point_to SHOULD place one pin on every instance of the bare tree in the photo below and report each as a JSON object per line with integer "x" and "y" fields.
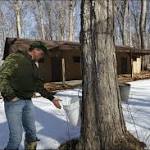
{"x": 135, "y": 15}
{"x": 142, "y": 28}
{"x": 71, "y": 20}
{"x": 17, "y": 7}
{"x": 48, "y": 28}
{"x": 103, "y": 126}
{"x": 7, "y": 23}
{"x": 2, "y": 32}
{"x": 123, "y": 19}
{"x": 143, "y": 23}
{"x": 70, "y": 36}
{"x": 41, "y": 17}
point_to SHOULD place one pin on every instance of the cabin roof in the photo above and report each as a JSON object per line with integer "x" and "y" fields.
{"x": 14, "y": 44}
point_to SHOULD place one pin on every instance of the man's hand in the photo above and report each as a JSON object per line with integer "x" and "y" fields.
{"x": 55, "y": 101}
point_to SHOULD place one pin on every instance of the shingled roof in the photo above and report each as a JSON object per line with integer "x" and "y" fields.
{"x": 127, "y": 49}
{"x": 15, "y": 44}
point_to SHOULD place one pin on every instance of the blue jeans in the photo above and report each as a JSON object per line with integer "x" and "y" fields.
{"x": 20, "y": 114}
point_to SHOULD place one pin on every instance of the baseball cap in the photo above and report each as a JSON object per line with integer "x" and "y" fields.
{"x": 40, "y": 45}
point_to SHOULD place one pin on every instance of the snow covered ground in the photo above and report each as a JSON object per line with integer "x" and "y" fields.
{"x": 54, "y": 128}
{"x": 137, "y": 111}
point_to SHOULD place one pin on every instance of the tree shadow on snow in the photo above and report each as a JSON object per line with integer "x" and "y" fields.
{"x": 139, "y": 102}
{"x": 4, "y": 135}
{"x": 52, "y": 126}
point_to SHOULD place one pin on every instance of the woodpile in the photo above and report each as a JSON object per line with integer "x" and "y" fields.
{"x": 51, "y": 87}
{"x": 54, "y": 87}
{"x": 127, "y": 77}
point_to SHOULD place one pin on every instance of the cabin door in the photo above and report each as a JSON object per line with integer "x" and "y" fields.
{"x": 124, "y": 66}
{"x": 56, "y": 69}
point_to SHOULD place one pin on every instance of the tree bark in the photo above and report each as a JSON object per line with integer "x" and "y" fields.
{"x": 70, "y": 20}
{"x": 143, "y": 22}
{"x": 41, "y": 15}
{"x": 123, "y": 21}
{"x": 50, "y": 32}
{"x": 103, "y": 126}
{"x": 17, "y": 5}
{"x": 142, "y": 25}
{"x": 126, "y": 24}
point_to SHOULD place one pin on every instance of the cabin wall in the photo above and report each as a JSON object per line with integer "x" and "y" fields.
{"x": 73, "y": 65}
{"x": 51, "y": 68}
{"x": 45, "y": 70}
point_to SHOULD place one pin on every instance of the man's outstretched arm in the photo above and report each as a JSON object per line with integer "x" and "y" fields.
{"x": 46, "y": 94}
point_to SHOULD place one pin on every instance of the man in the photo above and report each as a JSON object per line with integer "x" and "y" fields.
{"x": 19, "y": 79}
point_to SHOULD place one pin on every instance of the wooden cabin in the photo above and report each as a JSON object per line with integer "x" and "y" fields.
{"x": 63, "y": 60}
{"x": 129, "y": 59}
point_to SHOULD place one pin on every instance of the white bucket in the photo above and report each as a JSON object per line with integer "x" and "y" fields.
{"x": 73, "y": 112}
{"x": 71, "y": 105}
{"x": 124, "y": 91}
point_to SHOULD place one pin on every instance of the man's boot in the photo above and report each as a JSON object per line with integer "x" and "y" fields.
{"x": 30, "y": 145}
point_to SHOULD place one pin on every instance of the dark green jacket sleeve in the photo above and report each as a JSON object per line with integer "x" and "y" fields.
{"x": 6, "y": 72}
{"x": 40, "y": 88}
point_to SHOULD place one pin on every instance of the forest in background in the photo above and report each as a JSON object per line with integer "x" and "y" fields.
{"x": 60, "y": 20}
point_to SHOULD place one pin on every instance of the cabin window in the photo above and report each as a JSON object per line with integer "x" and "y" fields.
{"x": 76, "y": 59}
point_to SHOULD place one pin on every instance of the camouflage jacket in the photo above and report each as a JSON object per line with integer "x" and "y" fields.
{"x": 19, "y": 77}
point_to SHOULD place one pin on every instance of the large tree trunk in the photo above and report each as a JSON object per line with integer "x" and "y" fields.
{"x": 103, "y": 126}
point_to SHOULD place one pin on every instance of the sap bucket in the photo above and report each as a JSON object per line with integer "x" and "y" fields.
{"x": 71, "y": 100}
{"x": 124, "y": 91}
{"x": 73, "y": 111}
